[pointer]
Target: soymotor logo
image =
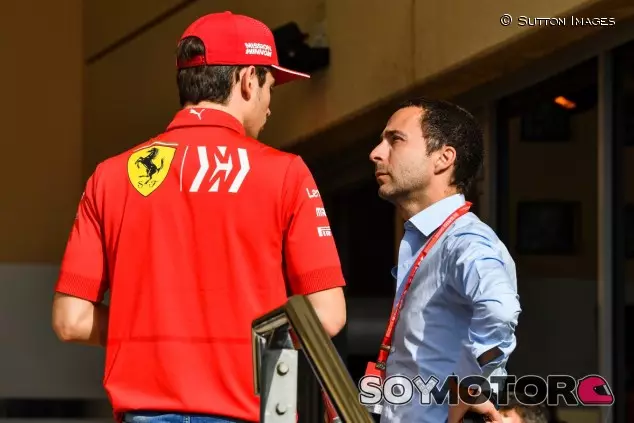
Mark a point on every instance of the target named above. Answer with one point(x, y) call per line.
point(555, 390)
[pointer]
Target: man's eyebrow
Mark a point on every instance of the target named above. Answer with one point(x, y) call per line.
point(391, 133)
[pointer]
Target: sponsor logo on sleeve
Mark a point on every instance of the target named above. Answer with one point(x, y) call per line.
point(324, 231)
point(313, 193)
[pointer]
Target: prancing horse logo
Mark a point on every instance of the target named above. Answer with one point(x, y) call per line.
point(149, 166)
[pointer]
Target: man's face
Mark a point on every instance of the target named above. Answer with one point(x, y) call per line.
point(258, 109)
point(402, 165)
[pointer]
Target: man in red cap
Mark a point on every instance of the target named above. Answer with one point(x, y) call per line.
point(195, 233)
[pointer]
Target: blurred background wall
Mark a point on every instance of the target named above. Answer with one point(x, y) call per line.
point(41, 115)
point(84, 80)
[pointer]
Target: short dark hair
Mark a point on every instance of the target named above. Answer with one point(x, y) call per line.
point(207, 83)
point(528, 413)
point(446, 124)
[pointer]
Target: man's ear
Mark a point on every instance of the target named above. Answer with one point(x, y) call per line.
point(446, 158)
point(247, 76)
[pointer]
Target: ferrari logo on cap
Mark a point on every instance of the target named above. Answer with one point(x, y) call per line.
point(148, 167)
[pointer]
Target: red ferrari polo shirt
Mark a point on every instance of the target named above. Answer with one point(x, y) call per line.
point(195, 233)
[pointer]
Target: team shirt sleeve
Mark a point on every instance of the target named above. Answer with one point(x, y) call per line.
point(310, 255)
point(83, 270)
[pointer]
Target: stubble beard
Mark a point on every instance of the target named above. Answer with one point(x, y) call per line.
point(390, 192)
point(401, 192)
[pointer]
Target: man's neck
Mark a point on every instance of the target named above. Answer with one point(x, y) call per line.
point(415, 203)
point(216, 106)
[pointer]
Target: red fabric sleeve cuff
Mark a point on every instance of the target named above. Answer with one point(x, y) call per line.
point(318, 280)
point(80, 286)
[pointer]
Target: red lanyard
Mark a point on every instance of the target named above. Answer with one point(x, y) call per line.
point(386, 345)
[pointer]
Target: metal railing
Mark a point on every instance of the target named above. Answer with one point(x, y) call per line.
point(277, 337)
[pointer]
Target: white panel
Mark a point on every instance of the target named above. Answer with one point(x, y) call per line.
point(33, 363)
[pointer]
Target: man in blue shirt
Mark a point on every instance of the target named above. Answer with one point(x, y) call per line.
point(461, 308)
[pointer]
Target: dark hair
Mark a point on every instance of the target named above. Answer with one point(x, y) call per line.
point(529, 413)
point(207, 83)
point(446, 124)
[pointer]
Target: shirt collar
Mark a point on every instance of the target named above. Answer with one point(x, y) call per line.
point(201, 116)
point(430, 219)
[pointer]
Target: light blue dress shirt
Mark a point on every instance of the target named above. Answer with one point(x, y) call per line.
point(462, 302)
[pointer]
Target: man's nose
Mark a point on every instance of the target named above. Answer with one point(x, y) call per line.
point(376, 155)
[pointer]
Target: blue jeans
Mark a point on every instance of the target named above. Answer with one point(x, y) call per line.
point(158, 417)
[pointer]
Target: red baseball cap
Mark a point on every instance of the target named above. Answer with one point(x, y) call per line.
point(236, 40)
